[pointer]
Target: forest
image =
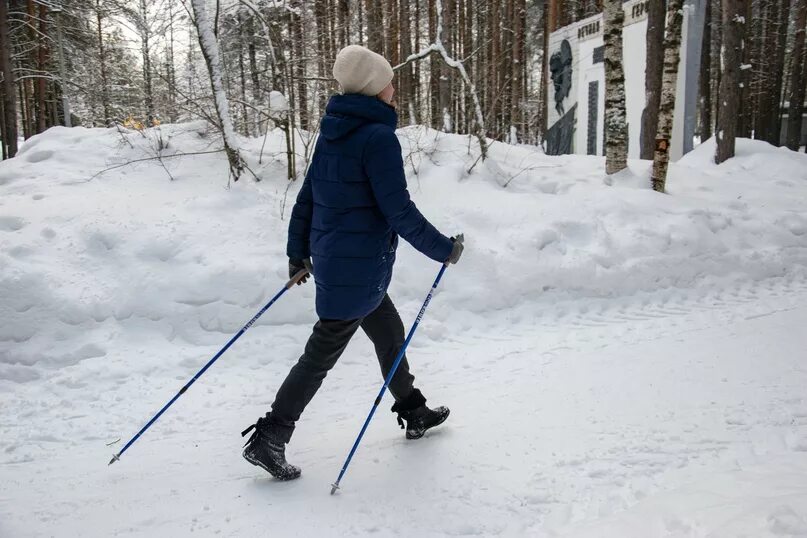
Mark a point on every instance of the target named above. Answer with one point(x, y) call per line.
point(462, 66)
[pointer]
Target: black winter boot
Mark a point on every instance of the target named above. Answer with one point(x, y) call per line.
point(268, 451)
point(417, 416)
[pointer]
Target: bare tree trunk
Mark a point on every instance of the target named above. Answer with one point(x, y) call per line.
point(672, 54)
point(323, 51)
point(472, 63)
point(361, 17)
point(42, 63)
point(375, 26)
point(717, 44)
point(172, 73)
point(145, 36)
point(343, 16)
point(775, 120)
point(733, 31)
point(496, 74)
point(482, 54)
point(3, 133)
point(553, 22)
point(298, 70)
point(705, 82)
point(211, 54)
point(616, 130)
point(333, 30)
point(102, 63)
point(418, 87)
point(406, 89)
point(32, 84)
point(393, 36)
point(25, 110)
point(763, 68)
point(797, 79)
point(243, 39)
point(543, 102)
point(654, 69)
point(751, 78)
point(505, 67)
point(525, 71)
point(434, 71)
point(253, 70)
point(444, 83)
point(749, 86)
point(10, 133)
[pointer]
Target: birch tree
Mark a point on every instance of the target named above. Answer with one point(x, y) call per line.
point(616, 130)
point(210, 51)
point(672, 54)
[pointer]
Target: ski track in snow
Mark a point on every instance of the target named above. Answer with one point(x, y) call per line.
point(580, 405)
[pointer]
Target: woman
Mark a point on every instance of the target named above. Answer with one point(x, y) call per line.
point(350, 210)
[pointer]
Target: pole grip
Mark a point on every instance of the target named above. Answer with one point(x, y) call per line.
point(298, 276)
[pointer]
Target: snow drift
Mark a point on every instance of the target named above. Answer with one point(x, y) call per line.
point(85, 254)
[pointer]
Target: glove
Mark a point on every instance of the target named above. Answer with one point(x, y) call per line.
point(295, 266)
point(456, 250)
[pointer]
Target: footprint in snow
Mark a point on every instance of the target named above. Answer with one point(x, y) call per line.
point(11, 224)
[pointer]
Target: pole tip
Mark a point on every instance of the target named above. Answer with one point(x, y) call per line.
point(334, 487)
point(115, 458)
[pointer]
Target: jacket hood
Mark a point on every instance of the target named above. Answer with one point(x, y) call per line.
point(346, 113)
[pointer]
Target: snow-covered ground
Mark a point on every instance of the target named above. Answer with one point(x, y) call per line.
point(618, 362)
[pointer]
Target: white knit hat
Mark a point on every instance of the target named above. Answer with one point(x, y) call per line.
point(359, 70)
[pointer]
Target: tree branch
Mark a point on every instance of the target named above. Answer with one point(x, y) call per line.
point(437, 46)
point(157, 158)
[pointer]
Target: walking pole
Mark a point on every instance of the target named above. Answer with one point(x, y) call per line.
point(390, 375)
point(296, 278)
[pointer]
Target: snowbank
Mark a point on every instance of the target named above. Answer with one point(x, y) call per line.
point(84, 255)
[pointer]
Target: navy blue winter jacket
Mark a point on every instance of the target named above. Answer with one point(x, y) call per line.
point(353, 205)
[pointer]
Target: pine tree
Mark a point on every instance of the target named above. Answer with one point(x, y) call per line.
point(9, 133)
point(705, 82)
point(733, 31)
point(654, 69)
point(797, 78)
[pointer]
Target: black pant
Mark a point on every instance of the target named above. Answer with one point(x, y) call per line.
point(327, 342)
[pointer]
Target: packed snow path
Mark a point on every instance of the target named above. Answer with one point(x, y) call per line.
point(617, 363)
point(660, 415)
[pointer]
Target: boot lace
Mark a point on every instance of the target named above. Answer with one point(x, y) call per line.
point(255, 429)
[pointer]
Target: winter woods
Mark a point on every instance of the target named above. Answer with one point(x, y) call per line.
point(462, 66)
point(142, 62)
